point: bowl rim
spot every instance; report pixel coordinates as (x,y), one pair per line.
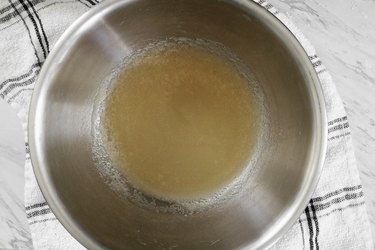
(68,37)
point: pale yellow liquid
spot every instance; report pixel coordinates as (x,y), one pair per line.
(181,122)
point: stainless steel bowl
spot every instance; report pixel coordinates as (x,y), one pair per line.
(61,117)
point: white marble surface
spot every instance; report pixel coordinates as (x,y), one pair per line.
(14,231)
(343,33)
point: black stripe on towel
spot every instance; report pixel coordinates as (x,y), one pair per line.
(91,2)
(339,209)
(317,64)
(19,84)
(38,213)
(268,6)
(311,230)
(337,192)
(84,3)
(36,28)
(338,127)
(338,136)
(5,9)
(21,77)
(339,119)
(39,221)
(9,16)
(40,24)
(36,205)
(302,232)
(10,100)
(345,197)
(315,205)
(316,224)
(28,31)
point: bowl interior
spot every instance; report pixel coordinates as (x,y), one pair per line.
(62,114)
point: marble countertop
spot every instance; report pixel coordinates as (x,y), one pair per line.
(343,33)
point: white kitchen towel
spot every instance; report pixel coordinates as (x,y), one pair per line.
(335,217)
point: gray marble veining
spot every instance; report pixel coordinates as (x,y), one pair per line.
(343,33)
(14,231)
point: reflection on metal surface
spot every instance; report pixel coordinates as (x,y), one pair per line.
(62,112)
